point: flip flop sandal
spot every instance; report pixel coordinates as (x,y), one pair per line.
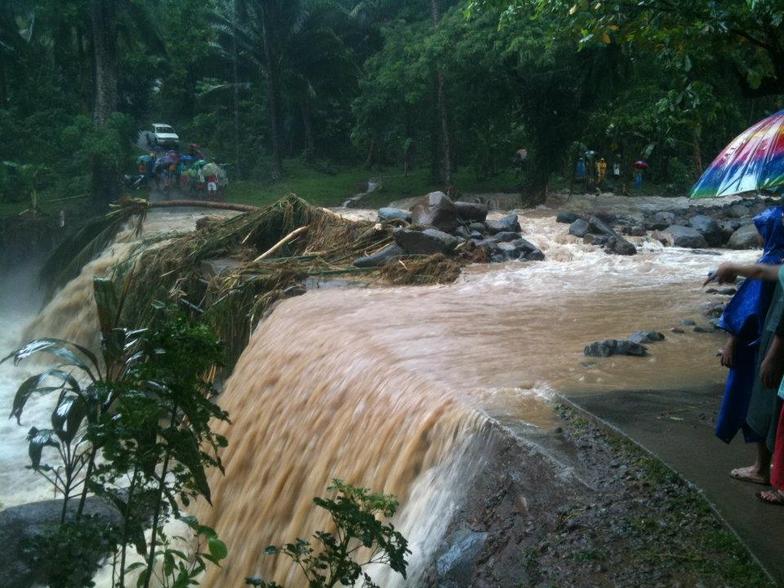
(764,496)
(741,478)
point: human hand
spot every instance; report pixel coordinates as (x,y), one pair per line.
(727,353)
(725,274)
(771,371)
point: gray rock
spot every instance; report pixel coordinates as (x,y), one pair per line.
(456,566)
(646,337)
(535,255)
(437,210)
(727,227)
(579,228)
(708,228)
(380,258)
(425,242)
(620,246)
(479,227)
(600,227)
(508,223)
(660,220)
(634,230)
(471,211)
(686,237)
(506,236)
(393,214)
(610,347)
(598,240)
(463,232)
(476,235)
(737,211)
(746,237)
(566,217)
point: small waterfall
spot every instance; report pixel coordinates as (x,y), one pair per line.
(311,401)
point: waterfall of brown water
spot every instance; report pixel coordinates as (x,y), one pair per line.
(309,402)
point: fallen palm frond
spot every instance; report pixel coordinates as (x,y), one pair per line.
(233,270)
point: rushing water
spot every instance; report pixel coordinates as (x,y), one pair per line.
(391,388)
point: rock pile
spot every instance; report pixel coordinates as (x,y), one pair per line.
(723,225)
(436,224)
(631,346)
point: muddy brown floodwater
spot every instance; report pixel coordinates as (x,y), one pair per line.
(393,388)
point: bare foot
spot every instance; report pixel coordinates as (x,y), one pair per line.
(774,497)
(750,474)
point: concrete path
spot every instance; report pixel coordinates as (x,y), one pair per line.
(677,427)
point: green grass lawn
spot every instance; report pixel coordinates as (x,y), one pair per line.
(325,189)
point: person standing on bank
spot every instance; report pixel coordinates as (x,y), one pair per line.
(743,319)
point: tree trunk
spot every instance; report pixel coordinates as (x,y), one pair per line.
(697,136)
(105,181)
(446,155)
(236,97)
(272,77)
(307,124)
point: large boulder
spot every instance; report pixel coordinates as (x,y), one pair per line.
(387,214)
(620,246)
(436,210)
(506,236)
(425,242)
(381,257)
(686,237)
(708,228)
(727,227)
(579,228)
(746,237)
(471,211)
(505,224)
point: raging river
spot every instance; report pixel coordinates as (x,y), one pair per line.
(393,388)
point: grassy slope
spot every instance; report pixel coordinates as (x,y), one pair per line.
(332,190)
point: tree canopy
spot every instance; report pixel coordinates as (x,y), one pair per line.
(444,85)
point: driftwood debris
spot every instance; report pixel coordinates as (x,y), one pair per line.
(292,235)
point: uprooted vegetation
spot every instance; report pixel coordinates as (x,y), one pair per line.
(233,270)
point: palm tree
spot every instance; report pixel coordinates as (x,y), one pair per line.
(294,46)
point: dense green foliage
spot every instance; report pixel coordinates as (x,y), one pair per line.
(359,540)
(131,426)
(381,83)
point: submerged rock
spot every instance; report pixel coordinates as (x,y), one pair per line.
(424,242)
(646,337)
(610,347)
(437,210)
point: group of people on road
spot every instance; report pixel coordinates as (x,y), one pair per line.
(594,172)
(754,353)
(187,171)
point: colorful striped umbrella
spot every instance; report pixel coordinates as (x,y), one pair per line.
(754,161)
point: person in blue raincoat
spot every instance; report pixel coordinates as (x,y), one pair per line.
(743,319)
